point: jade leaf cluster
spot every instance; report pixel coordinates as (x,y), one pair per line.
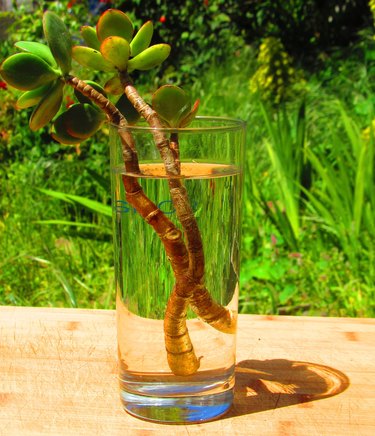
(42,71)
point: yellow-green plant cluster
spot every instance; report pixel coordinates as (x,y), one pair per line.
(369,131)
(371,3)
(275,75)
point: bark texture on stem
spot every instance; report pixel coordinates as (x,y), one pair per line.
(201,301)
(187,260)
(180,352)
(181,359)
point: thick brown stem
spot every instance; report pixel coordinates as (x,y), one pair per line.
(211,312)
(102,102)
(178,192)
(187,262)
(198,294)
(180,352)
(169,234)
(114,116)
(183,361)
(175,147)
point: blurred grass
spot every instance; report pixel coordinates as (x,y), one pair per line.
(327,269)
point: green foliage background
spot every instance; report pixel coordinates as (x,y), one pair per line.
(309,208)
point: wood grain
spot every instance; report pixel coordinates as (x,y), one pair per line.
(294,376)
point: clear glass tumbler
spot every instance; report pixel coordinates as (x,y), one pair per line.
(176,242)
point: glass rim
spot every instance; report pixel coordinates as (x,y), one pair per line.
(222,124)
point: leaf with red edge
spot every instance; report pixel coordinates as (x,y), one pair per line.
(114,86)
(191,115)
(116,50)
(33,97)
(114,23)
(48,106)
(82,120)
(172,104)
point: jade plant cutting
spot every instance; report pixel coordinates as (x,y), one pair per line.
(43,71)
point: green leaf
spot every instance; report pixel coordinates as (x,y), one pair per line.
(142,39)
(88,34)
(56,194)
(116,50)
(59,40)
(71,199)
(83,99)
(149,58)
(93,205)
(86,202)
(114,86)
(27,71)
(38,49)
(83,120)
(71,224)
(127,109)
(191,115)
(48,106)
(61,135)
(33,97)
(99,179)
(171,103)
(80,121)
(114,23)
(288,292)
(90,58)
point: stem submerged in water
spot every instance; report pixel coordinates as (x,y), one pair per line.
(187,259)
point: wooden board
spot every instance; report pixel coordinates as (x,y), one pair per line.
(294,376)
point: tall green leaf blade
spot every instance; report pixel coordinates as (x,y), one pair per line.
(350,131)
(93,205)
(56,194)
(72,224)
(359,189)
(100,180)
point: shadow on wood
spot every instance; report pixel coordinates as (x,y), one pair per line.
(271,384)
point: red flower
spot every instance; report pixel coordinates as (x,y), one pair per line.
(71,3)
(205,2)
(3,85)
(162,19)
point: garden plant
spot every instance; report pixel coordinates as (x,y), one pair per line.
(307,245)
(43,71)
